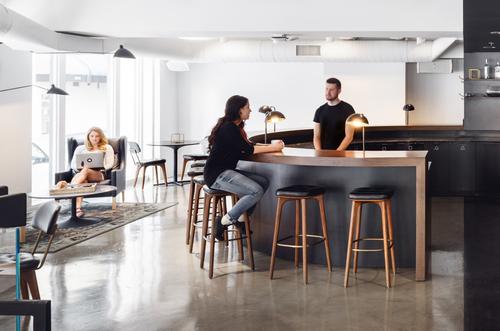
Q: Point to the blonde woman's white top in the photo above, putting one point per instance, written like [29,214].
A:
[109,156]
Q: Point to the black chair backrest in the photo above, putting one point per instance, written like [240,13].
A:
[13,210]
[4,190]
[135,149]
[45,218]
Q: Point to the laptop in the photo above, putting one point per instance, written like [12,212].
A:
[91,160]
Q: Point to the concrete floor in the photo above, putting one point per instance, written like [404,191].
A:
[142,277]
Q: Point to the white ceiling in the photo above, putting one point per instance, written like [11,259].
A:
[308,19]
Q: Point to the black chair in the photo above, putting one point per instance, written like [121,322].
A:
[135,150]
[45,220]
[115,176]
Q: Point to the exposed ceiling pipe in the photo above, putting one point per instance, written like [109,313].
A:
[21,33]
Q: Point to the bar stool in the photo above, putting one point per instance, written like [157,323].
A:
[199,182]
[217,198]
[300,194]
[193,172]
[191,157]
[382,198]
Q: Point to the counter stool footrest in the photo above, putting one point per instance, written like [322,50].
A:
[321,239]
[391,244]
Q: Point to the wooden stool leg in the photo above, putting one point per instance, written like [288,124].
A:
[297,232]
[137,172]
[322,212]
[189,211]
[204,229]
[217,205]
[304,239]
[184,168]
[33,285]
[156,173]
[194,217]
[277,221]
[391,235]
[354,211]
[143,176]
[357,236]
[239,242]
[382,206]
[249,240]
[24,286]
[164,172]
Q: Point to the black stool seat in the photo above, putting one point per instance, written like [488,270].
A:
[26,260]
[195,156]
[199,180]
[193,172]
[300,191]
[212,191]
[371,193]
[153,162]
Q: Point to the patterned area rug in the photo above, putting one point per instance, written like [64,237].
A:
[125,213]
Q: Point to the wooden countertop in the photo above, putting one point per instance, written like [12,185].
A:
[311,157]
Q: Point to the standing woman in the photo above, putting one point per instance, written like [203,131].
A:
[228,143]
[95,142]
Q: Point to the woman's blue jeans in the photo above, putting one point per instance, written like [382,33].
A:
[249,187]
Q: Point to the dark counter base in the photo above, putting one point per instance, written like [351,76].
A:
[338,181]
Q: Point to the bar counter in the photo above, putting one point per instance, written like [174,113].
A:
[339,173]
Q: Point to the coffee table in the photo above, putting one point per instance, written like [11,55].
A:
[74,221]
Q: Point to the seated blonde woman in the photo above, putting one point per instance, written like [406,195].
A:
[95,142]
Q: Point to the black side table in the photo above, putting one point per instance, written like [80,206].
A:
[175,146]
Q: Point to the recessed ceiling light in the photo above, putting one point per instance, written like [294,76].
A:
[196,38]
[495,32]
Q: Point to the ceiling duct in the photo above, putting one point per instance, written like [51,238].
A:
[21,33]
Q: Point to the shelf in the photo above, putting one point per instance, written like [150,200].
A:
[482,80]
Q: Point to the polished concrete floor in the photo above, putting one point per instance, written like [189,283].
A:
[142,277]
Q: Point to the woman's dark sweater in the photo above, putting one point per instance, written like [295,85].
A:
[229,147]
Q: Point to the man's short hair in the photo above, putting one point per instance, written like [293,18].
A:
[334,81]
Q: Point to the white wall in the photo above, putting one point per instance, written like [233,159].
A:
[435,96]
[374,89]
[296,89]
[15,120]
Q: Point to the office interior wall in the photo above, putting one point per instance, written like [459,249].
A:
[15,120]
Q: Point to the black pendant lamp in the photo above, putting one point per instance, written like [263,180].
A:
[123,53]
[56,90]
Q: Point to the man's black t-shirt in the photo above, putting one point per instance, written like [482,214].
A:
[229,147]
[332,120]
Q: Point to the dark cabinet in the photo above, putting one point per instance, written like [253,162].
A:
[462,168]
[438,175]
[487,169]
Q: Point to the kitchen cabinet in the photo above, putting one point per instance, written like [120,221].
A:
[438,174]
[462,168]
[487,169]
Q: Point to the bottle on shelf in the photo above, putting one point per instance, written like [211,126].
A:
[487,70]
[497,70]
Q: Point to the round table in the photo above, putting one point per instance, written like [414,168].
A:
[73,220]
[175,147]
